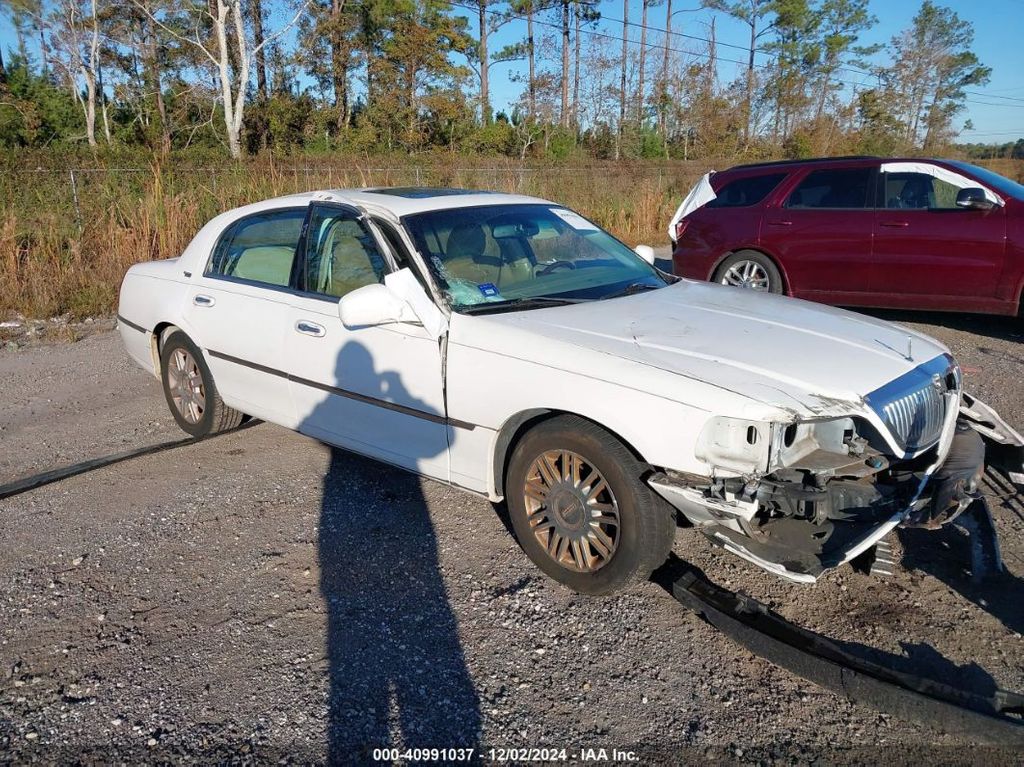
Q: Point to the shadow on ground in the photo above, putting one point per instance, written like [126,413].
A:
[398,675]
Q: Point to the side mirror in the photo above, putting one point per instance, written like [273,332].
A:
[973,198]
[646,252]
[373,305]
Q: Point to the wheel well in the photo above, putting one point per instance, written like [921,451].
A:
[160,332]
[769,256]
[518,425]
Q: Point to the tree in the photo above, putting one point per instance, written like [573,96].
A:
[526,48]
[751,13]
[231,54]
[622,80]
[932,67]
[842,21]
[641,95]
[77,32]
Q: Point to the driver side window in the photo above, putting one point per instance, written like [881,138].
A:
[918,191]
[341,253]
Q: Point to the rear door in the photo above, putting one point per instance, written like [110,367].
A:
[821,234]
[239,308]
[930,253]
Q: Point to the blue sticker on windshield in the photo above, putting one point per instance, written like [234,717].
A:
[489,289]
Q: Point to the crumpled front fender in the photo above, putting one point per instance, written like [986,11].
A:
[1004,446]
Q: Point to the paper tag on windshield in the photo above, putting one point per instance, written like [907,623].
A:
[575,220]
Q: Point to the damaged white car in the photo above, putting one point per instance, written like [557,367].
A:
[510,347]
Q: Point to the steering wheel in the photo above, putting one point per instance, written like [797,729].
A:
[556,265]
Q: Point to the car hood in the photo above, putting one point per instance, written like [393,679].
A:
[808,359]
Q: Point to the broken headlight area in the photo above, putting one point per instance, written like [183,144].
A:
[800,498]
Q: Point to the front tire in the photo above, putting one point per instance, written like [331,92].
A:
[190,391]
[749,269]
[581,510]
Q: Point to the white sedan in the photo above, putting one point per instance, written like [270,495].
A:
[510,347]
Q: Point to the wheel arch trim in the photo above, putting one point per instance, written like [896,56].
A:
[516,426]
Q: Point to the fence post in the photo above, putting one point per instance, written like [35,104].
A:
[74,194]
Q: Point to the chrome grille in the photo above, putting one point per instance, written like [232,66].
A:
[913,406]
[916,418]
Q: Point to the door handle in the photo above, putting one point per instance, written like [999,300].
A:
[201,300]
[895,224]
[780,223]
[310,328]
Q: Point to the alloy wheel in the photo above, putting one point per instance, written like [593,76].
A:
[185,382]
[747,274]
[572,510]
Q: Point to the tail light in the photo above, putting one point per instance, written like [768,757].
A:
[680,228]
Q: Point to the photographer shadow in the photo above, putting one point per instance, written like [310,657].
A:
[397,672]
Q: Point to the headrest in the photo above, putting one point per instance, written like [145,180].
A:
[466,241]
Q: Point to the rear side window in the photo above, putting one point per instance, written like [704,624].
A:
[259,248]
[839,188]
[744,192]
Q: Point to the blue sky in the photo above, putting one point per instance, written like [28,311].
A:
[996,110]
[998,24]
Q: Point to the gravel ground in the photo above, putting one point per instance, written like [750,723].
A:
[261,597]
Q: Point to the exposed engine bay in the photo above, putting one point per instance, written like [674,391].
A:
[833,488]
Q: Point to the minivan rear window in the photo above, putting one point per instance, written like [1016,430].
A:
[743,192]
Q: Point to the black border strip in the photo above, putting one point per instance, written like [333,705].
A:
[405,410]
[825,662]
[130,324]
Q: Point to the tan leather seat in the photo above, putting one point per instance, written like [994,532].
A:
[271,264]
[466,257]
[473,256]
[351,267]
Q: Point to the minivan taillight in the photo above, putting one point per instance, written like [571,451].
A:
[680,228]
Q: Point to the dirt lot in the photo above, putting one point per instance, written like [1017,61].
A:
[261,597]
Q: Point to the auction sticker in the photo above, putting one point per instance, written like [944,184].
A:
[575,220]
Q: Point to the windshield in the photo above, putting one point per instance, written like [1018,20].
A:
[1001,184]
[522,256]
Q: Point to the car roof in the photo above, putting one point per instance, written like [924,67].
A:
[404,201]
[769,166]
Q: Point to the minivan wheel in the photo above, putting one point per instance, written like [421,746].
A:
[190,391]
[749,269]
[581,510]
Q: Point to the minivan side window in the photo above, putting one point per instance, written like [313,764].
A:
[743,192]
[259,248]
[833,188]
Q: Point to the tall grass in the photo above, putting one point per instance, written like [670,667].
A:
[68,235]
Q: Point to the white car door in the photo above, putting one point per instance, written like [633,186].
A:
[375,390]
[238,311]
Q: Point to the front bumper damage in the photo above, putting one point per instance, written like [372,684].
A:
[799,529]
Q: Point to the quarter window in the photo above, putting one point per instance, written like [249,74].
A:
[259,248]
[840,188]
[745,191]
[341,254]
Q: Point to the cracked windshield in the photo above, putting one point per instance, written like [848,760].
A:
[516,255]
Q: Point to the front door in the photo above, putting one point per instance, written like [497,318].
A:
[374,390]
[239,308]
[928,251]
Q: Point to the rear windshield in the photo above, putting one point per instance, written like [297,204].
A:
[743,192]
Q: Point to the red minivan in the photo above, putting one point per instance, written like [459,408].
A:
[860,231]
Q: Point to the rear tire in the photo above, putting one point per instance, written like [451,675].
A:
[190,391]
[581,510]
[749,269]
